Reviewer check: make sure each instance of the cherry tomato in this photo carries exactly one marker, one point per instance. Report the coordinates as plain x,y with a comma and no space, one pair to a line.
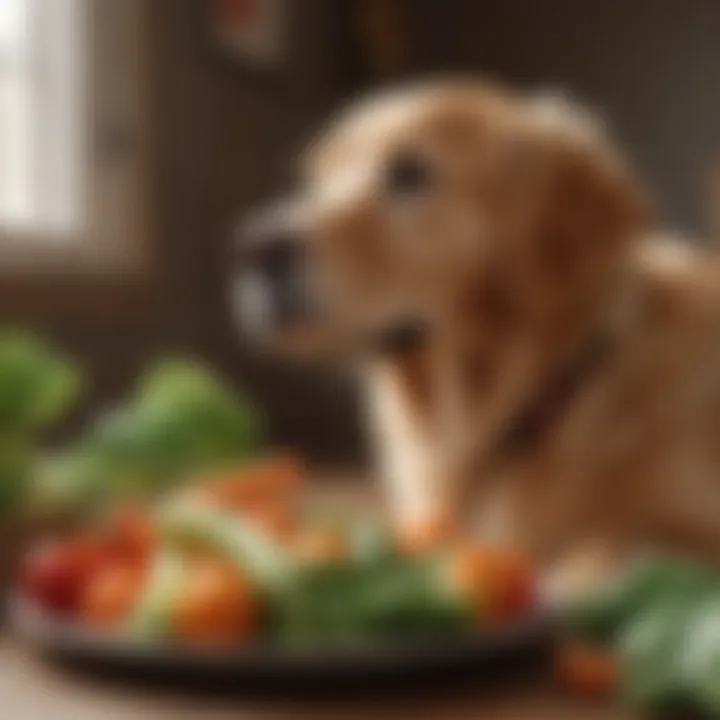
216,605
56,573
520,583
586,669
501,584
110,595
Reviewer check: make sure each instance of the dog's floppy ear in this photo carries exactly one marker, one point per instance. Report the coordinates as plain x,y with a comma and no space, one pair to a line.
586,205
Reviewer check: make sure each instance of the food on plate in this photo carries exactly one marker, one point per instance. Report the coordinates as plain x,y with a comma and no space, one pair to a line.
215,604
501,583
267,480
56,572
151,616
240,555
111,594
265,491
130,535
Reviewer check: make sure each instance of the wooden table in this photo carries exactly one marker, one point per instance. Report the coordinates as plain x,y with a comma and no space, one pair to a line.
31,689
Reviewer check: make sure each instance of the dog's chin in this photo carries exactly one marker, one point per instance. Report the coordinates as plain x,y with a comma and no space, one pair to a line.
306,344
398,338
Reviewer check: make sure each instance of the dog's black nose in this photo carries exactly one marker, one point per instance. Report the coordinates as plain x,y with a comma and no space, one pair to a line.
273,256
270,243
276,257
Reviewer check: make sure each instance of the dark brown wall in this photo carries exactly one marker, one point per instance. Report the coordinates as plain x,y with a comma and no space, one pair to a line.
223,139
652,66
226,140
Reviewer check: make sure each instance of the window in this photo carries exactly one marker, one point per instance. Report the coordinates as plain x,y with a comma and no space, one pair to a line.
71,103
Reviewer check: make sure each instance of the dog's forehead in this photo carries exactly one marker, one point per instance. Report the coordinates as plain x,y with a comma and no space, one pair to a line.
384,114
369,126
386,119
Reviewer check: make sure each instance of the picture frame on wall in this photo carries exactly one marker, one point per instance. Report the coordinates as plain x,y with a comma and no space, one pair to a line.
251,32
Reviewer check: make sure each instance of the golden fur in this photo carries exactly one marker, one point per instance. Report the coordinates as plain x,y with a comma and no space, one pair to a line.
534,239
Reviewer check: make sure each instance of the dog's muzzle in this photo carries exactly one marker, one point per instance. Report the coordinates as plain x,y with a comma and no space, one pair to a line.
270,290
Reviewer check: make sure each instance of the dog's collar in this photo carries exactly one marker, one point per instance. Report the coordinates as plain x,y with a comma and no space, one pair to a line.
535,418
526,428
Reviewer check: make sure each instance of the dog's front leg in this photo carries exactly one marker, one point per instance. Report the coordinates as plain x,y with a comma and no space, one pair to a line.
415,472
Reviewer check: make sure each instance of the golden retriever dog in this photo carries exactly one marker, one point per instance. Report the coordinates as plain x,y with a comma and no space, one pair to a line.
541,364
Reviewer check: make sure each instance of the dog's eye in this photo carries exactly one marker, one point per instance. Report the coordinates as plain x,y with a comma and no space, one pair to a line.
407,175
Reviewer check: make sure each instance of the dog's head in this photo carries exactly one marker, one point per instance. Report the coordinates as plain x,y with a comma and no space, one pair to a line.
418,202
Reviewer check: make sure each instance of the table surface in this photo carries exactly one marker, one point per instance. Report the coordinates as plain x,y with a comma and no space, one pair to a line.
38,690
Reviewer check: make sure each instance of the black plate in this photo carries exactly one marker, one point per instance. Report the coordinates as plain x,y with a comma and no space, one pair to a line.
523,645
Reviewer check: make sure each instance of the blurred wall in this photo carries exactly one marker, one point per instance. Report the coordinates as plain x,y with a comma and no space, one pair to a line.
651,66
227,137
224,139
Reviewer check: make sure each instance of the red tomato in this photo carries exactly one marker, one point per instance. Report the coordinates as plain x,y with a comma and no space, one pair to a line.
520,583
586,669
55,574
110,595
500,583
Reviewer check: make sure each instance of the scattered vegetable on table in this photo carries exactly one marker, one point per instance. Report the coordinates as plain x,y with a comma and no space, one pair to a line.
652,636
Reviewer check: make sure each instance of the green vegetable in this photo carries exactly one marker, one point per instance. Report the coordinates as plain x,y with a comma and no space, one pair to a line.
182,419
37,385
699,655
217,423
151,618
653,677
663,616
243,544
369,601
371,541
69,482
602,616
372,596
